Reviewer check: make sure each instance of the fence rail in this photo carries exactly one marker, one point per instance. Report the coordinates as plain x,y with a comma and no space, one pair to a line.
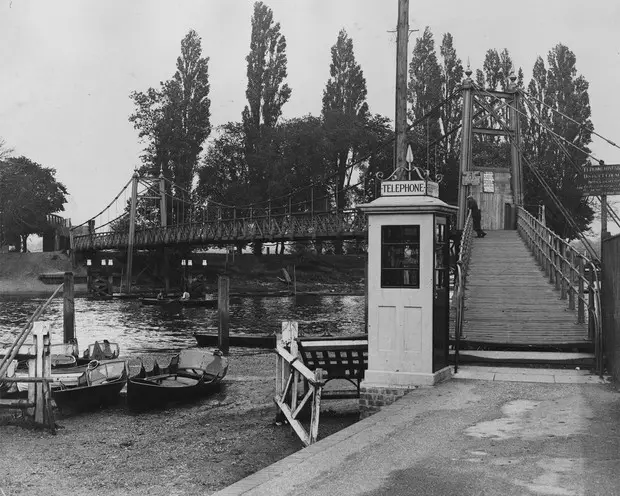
573,274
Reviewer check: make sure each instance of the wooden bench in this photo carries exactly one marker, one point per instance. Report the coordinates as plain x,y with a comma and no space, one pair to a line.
340,357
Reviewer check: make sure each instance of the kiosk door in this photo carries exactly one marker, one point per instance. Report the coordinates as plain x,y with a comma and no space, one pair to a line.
441,297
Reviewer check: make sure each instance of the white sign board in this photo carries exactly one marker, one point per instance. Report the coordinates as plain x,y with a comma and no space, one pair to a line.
409,188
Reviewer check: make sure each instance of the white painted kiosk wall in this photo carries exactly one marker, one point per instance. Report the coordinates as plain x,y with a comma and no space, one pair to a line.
408,293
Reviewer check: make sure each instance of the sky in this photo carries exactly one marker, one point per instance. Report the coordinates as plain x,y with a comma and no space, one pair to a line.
69,66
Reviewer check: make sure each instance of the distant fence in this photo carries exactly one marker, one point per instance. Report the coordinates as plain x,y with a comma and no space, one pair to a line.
611,304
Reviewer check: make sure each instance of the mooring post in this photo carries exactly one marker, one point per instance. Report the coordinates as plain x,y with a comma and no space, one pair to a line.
68,309
40,368
223,284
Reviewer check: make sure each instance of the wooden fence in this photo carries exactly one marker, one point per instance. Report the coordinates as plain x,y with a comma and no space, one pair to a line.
611,304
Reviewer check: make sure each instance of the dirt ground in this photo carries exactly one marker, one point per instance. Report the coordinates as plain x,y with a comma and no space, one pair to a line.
186,450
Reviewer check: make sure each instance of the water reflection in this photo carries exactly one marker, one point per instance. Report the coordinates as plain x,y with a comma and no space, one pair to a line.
148,329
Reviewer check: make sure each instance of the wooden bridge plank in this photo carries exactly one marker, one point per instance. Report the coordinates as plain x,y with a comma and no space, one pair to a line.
509,300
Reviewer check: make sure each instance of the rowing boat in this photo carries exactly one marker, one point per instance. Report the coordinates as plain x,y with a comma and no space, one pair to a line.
191,374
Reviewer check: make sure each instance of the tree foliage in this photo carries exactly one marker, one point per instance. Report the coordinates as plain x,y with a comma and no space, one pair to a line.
345,114
174,119
28,193
266,93
560,90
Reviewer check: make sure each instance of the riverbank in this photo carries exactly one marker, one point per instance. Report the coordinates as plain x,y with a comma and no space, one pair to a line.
249,275
184,450
20,273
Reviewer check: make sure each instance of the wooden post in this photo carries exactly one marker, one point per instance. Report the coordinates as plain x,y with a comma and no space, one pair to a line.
571,289
603,219
68,309
466,147
580,300
400,120
132,229
42,369
514,117
223,284
591,324
366,295
294,281
316,408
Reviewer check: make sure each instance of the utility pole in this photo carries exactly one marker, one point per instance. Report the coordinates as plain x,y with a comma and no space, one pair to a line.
400,120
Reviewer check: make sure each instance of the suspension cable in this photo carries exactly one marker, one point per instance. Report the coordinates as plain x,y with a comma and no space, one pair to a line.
580,124
541,180
576,166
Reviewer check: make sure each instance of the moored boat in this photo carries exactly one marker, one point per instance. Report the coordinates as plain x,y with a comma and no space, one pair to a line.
99,385
164,302
100,350
242,340
191,374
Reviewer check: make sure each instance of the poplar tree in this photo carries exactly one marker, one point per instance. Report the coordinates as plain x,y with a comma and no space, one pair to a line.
266,90
563,91
449,120
424,92
174,119
345,112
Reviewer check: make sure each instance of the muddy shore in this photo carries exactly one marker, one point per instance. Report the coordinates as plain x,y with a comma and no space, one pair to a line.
191,449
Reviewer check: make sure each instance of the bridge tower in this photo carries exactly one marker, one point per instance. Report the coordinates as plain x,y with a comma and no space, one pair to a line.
498,191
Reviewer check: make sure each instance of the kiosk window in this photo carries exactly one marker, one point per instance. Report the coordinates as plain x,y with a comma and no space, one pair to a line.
400,257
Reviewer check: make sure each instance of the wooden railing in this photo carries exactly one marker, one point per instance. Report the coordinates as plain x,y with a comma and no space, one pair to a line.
573,274
293,377
462,268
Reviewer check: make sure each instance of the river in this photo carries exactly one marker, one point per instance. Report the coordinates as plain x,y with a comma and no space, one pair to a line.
142,329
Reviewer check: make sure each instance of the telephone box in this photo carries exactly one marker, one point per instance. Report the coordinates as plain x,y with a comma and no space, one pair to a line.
408,285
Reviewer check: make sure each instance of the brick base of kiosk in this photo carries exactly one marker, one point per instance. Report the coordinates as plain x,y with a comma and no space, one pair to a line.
374,397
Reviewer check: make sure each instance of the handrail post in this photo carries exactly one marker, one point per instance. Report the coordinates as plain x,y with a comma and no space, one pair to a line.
571,288
563,276
591,323
580,301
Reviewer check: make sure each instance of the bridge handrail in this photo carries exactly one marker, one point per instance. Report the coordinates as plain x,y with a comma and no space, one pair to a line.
571,272
462,269
283,226
57,220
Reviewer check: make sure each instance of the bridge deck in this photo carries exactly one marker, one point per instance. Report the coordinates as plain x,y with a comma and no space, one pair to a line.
508,300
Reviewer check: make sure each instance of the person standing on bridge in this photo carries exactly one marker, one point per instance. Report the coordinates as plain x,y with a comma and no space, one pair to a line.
476,216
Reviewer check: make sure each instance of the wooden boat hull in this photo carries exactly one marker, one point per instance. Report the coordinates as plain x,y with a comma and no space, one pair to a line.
267,341
88,397
184,303
150,392
191,374
99,385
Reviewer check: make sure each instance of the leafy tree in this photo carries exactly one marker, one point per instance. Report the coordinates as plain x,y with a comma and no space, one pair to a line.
28,193
423,94
223,175
174,119
345,113
5,150
565,92
266,91
450,116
